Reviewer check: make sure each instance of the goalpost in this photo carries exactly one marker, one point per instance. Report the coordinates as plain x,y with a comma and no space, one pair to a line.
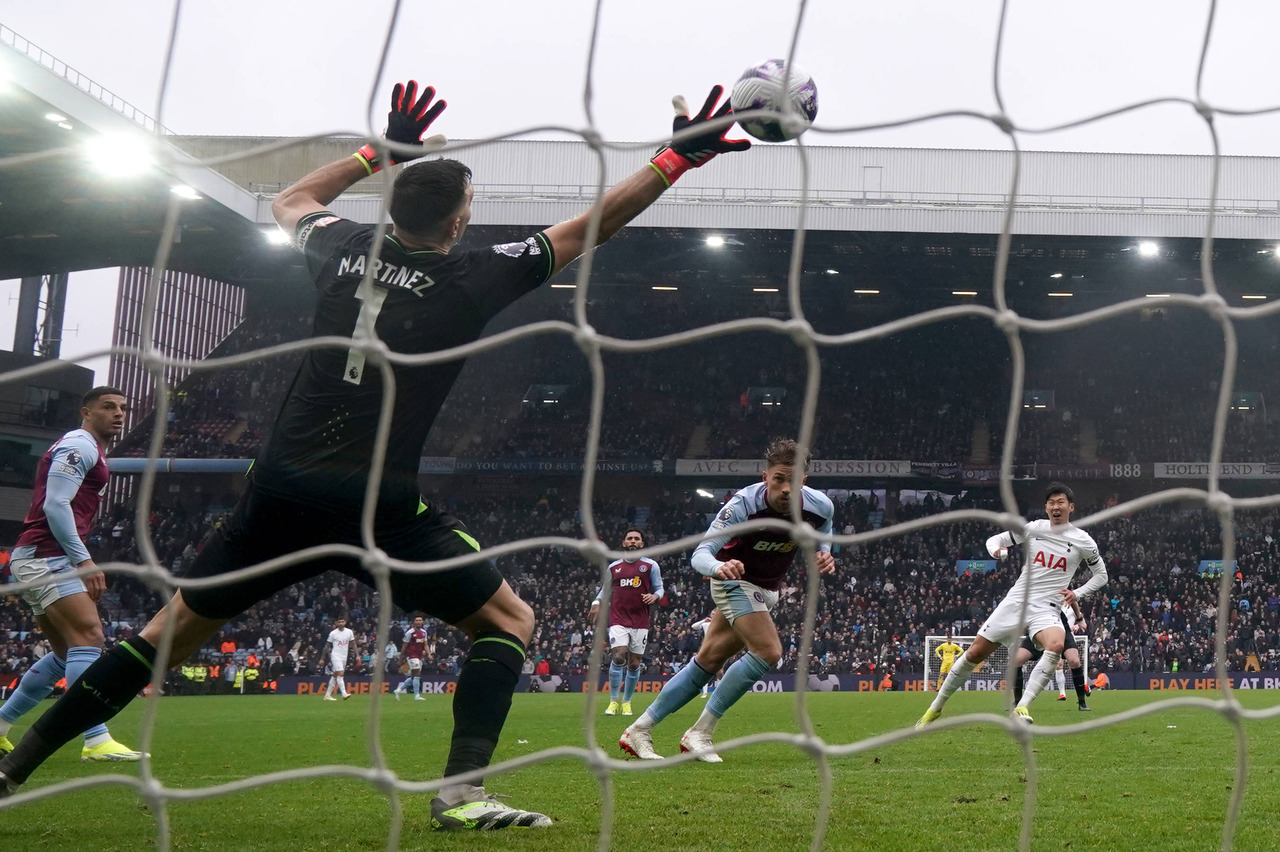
990,675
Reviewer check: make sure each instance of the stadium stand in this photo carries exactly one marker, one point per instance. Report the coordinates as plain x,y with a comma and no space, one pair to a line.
875,611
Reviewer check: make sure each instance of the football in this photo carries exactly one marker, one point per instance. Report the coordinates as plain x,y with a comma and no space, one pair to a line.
761,87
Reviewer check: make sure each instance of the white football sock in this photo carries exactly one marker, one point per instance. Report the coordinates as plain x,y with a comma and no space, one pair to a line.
955,679
1039,677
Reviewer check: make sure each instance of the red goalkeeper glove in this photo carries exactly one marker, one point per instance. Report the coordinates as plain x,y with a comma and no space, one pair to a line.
694,151
407,122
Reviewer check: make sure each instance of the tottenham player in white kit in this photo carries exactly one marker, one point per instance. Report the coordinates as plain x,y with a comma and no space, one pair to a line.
1055,551
339,641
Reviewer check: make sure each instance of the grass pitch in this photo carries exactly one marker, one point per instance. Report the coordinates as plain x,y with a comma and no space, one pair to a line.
1161,782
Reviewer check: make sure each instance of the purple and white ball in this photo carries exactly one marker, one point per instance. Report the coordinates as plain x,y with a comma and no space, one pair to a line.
761,87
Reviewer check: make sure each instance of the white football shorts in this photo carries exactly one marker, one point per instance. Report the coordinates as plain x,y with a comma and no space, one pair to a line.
736,598
634,639
1005,626
339,662
52,568
415,664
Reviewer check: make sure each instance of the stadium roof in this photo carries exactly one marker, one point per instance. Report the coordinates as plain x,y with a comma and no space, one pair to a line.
923,219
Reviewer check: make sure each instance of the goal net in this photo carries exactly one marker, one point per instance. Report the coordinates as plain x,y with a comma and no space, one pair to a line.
783,316
991,674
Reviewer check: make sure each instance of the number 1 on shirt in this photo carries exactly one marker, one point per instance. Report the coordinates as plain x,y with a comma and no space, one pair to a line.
368,315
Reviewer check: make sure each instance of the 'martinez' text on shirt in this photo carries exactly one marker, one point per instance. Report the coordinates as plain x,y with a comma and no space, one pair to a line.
386,273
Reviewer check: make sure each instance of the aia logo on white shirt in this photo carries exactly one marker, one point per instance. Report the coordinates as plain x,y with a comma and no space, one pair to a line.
1049,560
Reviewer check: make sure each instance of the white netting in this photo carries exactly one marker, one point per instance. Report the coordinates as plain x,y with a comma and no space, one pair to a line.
796,328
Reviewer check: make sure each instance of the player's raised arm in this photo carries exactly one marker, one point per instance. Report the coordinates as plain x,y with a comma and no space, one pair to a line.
630,198
407,122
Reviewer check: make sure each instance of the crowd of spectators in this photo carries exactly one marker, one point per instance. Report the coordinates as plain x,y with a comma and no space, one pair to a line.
1157,613
1132,389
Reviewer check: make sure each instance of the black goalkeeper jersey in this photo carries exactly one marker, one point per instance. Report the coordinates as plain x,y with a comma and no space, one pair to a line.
321,446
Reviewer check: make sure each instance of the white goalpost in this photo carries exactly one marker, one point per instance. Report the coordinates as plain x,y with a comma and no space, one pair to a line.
990,675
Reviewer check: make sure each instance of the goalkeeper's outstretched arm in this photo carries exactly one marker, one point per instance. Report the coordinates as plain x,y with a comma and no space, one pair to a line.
407,122
630,198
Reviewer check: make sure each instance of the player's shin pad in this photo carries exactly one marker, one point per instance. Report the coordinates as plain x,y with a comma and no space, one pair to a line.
630,680
100,693
1039,677
616,673
678,691
955,679
483,699
736,682
34,687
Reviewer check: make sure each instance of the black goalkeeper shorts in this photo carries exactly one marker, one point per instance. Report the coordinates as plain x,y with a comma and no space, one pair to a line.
264,526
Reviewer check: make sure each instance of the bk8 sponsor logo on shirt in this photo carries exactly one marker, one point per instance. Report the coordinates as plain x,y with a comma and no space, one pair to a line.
775,546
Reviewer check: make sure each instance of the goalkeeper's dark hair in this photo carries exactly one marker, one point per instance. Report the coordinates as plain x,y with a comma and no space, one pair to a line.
1059,488
784,451
428,194
94,394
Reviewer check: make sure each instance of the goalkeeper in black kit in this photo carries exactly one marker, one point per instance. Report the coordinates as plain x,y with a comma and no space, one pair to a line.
420,293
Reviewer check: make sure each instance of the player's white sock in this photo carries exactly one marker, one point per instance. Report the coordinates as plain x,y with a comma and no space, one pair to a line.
1039,677
4,727
328,693
400,688
955,679
645,722
706,722
96,739
342,686
456,794
1060,682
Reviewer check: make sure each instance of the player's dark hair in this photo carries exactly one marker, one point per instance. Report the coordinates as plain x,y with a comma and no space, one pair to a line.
100,391
428,194
1059,488
629,530
783,451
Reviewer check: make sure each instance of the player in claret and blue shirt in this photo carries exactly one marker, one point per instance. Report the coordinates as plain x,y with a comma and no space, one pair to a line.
746,570
636,586
71,478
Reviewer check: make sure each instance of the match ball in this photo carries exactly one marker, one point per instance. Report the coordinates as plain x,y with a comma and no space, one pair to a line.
761,87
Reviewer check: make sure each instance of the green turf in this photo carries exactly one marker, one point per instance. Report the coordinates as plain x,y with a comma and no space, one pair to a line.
1158,783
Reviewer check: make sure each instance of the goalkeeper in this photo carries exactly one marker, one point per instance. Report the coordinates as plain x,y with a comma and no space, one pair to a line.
420,293
946,653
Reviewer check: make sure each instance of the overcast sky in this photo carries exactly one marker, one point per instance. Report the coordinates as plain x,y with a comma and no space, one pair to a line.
293,68
286,68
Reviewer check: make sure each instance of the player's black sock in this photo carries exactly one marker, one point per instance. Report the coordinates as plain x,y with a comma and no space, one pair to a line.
100,693
482,700
1017,685
1077,676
